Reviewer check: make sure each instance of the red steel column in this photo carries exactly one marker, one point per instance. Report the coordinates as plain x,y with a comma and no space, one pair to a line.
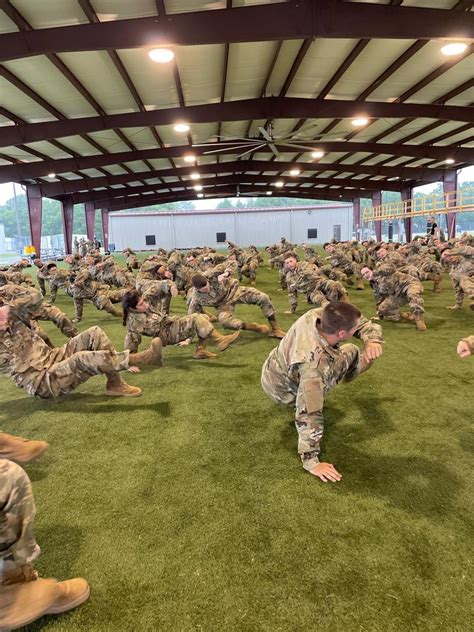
407,194
90,219
105,227
34,202
67,212
450,184
356,207
377,201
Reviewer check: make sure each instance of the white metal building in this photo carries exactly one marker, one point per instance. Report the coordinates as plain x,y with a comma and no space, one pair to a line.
261,227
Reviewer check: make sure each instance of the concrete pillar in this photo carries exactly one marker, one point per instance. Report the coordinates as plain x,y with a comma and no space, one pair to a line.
356,207
407,195
90,219
34,203
377,201
450,184
67,212
105,227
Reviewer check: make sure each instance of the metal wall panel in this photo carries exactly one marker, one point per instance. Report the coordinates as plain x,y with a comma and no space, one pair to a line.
185,230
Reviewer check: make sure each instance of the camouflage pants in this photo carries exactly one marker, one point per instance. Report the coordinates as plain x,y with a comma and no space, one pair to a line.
335,274
102,301
249,270
59,318
174,329
390,307
246,296
282,276
17,542
42,285
90,353
463,284
53,290
307,395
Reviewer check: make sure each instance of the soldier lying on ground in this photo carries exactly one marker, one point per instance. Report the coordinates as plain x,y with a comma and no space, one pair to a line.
49,372
308,363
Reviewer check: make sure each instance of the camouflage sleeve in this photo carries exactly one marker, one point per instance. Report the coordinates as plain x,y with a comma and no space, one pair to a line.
470,342
216,270
21,299
463,251
194,305
309,418
369,331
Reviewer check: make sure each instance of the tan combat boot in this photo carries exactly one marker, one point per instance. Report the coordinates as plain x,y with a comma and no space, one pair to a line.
420,323
261,329
210,317
471,304
275,330
20,450
116,387
224,341
407,316
25,598
153,355
437,285
202,353
360,285
253,282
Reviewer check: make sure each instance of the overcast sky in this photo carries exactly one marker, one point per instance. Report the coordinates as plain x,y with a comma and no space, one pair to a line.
6,190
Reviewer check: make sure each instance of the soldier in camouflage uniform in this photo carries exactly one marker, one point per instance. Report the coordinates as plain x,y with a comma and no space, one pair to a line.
461,259
111,274
217,289
304,277
49,372
141,320
311,256
24,597
344,261
58,278
392,289
308,363
85,288
42,274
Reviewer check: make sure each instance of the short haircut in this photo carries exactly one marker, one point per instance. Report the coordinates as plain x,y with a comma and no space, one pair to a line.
290,255
339,316
199,281
51,265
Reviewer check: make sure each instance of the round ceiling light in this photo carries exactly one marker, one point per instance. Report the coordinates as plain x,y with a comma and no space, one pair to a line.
195,176
198,187
317,154
181,127
161,55
190,158
279,184
269,192
456,48
450,161
200,195
360,121
295,172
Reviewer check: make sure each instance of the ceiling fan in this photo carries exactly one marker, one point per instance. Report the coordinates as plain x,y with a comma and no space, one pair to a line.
249,145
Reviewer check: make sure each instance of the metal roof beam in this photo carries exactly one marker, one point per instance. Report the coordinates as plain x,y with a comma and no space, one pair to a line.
305,19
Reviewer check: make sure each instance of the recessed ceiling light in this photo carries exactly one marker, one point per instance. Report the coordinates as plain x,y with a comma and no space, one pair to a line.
456,48
195,176
295,172
198,187
181,127
317,154
269,192
161,55
279,184
53,175
190,158
450,161
360,121
200,195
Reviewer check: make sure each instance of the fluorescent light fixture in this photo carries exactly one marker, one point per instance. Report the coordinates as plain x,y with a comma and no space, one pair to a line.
317,154
198,187
269,192
295,172
190,158
456,48
279,184
200,195
450,161
360,121
161,55
195,176
51,175
181,127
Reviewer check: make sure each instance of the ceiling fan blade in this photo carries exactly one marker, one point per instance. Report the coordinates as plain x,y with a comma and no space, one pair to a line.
265,134
300,147
252,150
233,148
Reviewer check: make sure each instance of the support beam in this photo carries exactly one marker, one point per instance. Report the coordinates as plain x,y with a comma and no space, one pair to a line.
377,201
407,194
305,19
67,212
40,169
89,210
105,227
34,202
356,206
229,111
450,184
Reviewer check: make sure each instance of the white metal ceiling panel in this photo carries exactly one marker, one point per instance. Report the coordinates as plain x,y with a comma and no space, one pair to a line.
198,86
107,10
288,52
247,69
50,13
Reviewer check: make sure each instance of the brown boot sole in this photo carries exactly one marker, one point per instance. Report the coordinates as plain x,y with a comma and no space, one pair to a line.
80,599
226,344
123,394
32,456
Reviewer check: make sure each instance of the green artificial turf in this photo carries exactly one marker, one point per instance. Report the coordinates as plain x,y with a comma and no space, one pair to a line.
187,509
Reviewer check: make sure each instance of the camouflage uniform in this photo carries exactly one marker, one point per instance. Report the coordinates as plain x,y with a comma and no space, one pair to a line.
305,278
170,329
344,262
157,293
311,256
303,368
462,274
60,278
42,275
393,289
99,294
46,372
17,511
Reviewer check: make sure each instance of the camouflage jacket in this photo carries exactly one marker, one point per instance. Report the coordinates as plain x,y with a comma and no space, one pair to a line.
220,293
465,263
395,284
147,323
302,278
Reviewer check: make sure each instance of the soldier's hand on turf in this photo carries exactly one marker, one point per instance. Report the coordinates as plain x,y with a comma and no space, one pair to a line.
326,472
463,349
4,312
133,369
372,351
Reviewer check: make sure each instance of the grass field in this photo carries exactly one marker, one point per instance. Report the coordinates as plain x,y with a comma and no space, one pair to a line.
187,509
